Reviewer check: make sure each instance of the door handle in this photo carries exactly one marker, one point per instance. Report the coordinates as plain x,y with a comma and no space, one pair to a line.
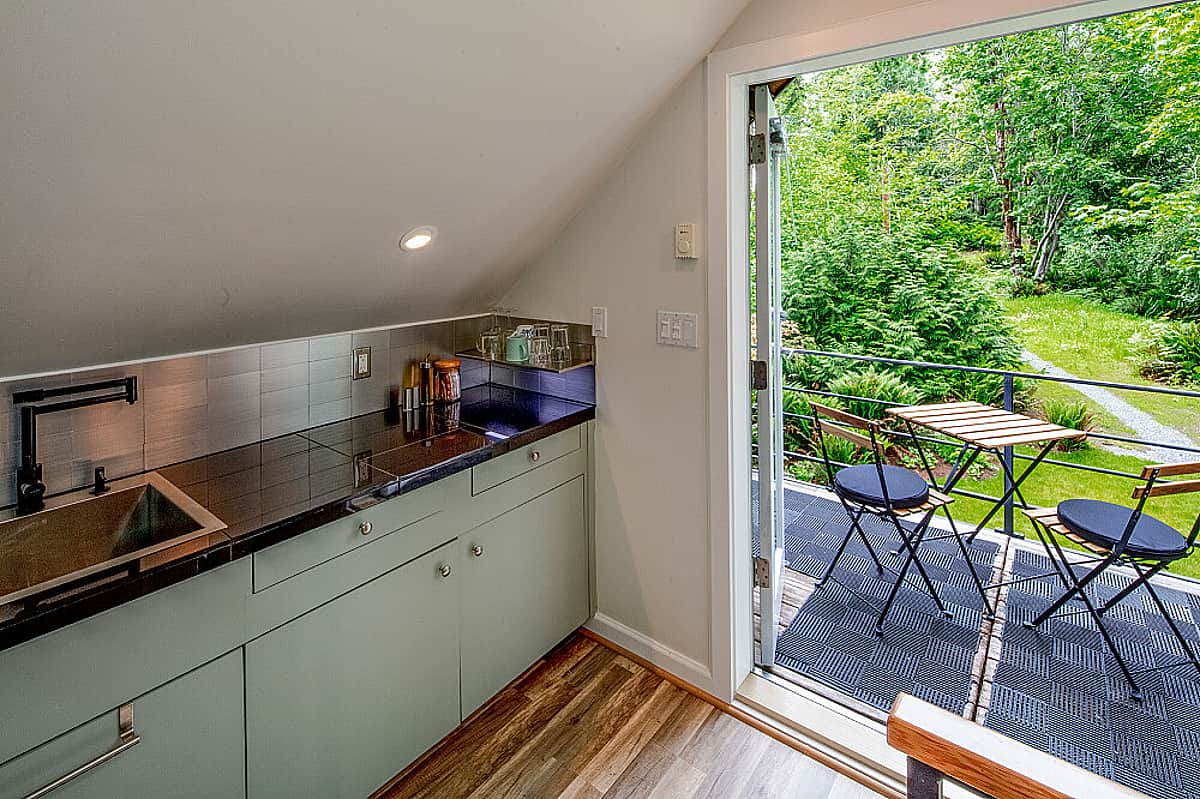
127,739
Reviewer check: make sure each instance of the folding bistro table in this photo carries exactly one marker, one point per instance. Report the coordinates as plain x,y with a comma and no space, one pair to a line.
984,428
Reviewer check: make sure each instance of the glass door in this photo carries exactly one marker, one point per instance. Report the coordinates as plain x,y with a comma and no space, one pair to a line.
766,151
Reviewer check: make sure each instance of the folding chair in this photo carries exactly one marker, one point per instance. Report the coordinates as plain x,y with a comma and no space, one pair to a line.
881,490
1114,535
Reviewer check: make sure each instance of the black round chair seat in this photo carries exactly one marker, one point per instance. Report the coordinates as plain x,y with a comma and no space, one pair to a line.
905,488
1104,523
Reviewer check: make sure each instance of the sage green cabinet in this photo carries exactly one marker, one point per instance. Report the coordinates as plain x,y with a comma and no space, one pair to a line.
189,743
342,698
524,588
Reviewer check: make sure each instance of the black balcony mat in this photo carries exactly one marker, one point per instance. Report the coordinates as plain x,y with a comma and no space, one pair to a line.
832,638
1058,689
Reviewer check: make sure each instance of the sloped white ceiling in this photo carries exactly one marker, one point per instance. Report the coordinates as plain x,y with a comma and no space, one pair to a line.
178,175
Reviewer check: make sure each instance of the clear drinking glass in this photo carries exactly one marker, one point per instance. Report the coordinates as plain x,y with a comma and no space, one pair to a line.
560,345
491,344
539,351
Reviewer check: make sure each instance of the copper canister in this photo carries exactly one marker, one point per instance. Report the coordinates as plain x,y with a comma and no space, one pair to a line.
447,385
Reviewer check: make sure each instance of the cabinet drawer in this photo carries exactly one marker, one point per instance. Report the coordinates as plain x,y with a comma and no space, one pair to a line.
56,682
498,470
189,738
343,698
289,558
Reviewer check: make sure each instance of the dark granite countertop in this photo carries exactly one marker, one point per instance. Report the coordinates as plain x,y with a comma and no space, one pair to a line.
283,487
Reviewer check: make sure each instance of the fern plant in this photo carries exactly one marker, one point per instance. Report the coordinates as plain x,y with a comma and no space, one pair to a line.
1072,414
872,384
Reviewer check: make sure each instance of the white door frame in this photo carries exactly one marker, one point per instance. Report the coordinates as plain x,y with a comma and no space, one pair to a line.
729,74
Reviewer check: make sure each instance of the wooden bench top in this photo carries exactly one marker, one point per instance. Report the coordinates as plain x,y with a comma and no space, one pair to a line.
988,761
983,425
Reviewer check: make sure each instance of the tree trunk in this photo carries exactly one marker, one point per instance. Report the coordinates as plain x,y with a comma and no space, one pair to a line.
1012,234
1048,245
887,199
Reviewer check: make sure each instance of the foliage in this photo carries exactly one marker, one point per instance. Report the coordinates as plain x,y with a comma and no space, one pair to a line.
797,421
841,451
1172,353
865,292
1070,154
875,384
1074,414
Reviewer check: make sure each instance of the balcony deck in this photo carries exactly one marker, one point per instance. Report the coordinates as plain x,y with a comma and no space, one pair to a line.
1056,688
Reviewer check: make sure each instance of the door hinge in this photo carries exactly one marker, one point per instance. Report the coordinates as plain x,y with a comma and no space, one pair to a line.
758,375
762,573
758,148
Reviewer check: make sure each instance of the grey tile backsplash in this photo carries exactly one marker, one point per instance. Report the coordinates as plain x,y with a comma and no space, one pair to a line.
202,404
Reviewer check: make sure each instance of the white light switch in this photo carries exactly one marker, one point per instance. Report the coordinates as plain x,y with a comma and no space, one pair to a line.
686,243
599,321
678,329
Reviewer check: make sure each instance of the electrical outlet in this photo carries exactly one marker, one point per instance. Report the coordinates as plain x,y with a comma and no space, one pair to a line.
362,363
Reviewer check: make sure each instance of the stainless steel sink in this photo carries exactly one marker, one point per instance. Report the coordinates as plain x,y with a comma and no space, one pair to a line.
84,535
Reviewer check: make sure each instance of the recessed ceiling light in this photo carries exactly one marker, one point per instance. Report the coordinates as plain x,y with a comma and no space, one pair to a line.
418,238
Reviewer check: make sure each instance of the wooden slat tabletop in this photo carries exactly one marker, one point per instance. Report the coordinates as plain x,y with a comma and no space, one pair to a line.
983,425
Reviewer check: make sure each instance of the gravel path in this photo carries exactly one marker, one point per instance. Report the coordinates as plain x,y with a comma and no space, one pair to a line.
1142,424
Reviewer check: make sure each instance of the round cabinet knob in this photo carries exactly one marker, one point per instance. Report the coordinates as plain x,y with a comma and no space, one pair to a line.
365,528
535,456
477,551
444,570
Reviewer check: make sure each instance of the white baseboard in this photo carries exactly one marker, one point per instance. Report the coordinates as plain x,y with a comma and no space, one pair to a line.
685,668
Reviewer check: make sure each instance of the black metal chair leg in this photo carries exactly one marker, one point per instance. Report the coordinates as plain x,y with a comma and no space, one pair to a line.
1076,587
1075,590
1112,646
910,544
1129,589
1162,608
989,611
891,597
836,556
920,536
867,542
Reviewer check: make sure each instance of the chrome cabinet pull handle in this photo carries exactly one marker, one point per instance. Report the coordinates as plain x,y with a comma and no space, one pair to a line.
535,456
128,739
477,551
365,528
444,570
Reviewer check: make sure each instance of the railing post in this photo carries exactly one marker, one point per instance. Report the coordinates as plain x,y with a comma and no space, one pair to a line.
924,782
1009,504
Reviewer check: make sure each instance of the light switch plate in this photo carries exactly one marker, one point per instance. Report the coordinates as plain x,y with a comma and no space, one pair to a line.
362,363
599,321
675,329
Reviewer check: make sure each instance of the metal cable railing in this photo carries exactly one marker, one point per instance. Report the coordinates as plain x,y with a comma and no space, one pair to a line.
1009,378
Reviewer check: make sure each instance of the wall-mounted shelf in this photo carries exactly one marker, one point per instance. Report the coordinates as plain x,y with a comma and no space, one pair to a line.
578,361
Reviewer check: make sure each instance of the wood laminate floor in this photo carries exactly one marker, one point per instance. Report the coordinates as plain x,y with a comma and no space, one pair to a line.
588,723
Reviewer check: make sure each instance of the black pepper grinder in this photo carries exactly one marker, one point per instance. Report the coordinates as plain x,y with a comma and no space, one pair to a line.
426,367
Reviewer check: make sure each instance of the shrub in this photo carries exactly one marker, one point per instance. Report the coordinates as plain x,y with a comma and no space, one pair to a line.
1068,413
1022,286
842,451
863,292
1172,353
797,430
874,384
1140,274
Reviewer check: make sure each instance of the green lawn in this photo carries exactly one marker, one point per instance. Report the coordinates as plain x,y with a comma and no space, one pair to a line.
1092,341
1052,483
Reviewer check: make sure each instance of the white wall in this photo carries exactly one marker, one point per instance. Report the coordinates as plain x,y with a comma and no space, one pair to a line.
651,515
178,176
652,518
